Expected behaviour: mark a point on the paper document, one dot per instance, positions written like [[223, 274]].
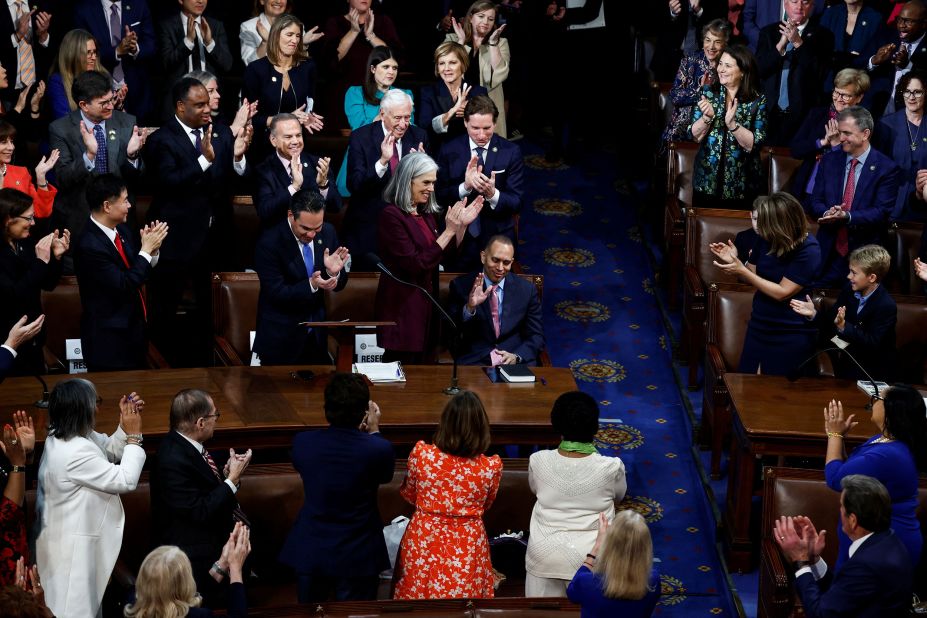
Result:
[[381, 372]]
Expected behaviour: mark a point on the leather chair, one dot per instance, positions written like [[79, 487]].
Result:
[[247, 230], [704, 226], [907, 244], [679, 165], [234, 316], [782, 168], [789, 491], [729, 308]]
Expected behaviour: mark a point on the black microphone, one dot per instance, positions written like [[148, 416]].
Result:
[[453, 389], [43, 402], [794, 374]]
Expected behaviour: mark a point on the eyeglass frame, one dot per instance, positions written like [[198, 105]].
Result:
[[843, 96], [30, 218], [215, 416], [914, 94]]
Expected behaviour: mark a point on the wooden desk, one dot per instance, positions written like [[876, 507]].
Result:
[[263, 407], [775, 417]]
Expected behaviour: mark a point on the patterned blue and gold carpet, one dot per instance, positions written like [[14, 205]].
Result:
[[602, 319]]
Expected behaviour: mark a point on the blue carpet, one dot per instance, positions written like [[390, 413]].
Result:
[[602, 319]]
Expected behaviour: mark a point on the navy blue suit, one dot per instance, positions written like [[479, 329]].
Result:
[[760, 13], [89, 15], [501, 156], [873, 201], [262, 82], [894, 140], [855, 53], [521, 330], [883, 75], [363, 214], [6, 363], [272, 195], [113, 322], [804, 146], [286, 298], [874, 583], [434, 100]]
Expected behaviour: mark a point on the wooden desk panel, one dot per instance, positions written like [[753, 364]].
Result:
[[262, 407]]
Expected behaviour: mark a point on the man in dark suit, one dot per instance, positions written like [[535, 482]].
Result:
[[19, 333], [481, 163], [288, 170], [297, 261], [92, 140], [793, 57], [193, 500], [863, 316], [854, 193], [499, 312], [336, 545], [125, 37], [190, 41], [901, 53], [680, 32], [24, 48], [374, 151], [758, 14], [193, 166], [111, 275], [875, 581]]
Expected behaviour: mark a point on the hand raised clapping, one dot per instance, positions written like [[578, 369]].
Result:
[[478, 295], [804, 308], [920, 269], [727, 253], [336, 260], [834, 421]]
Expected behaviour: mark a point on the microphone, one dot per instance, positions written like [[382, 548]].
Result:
[[794, 374], [453, 388], [43, 402]]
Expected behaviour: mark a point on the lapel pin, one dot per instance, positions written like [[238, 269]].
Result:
[[307, 165], [494, 149], [318, 241], [112, 135], [273, 79], [864, 23], [17, 182], [215, 136], [872, 168]]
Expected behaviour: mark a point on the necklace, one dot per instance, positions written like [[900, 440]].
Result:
[[914, 137]]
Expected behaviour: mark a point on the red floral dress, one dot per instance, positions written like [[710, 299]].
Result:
[[444, 552], [12, 539]]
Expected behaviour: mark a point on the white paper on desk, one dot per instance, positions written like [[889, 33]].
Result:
[[381, 372], [598, 22], [840, 343]]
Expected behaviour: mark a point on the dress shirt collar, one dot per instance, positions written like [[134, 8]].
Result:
[[913, 45], [197, 445], [108, 4], [110, 232], [90, 124], [189, 130], [861, 158], [855, 544], [500, 285], [474, 146], [183, 22], [398, 141]]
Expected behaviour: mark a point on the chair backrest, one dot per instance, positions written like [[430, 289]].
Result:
[[908, 244], [234, 309], [729, 309], [782, 168], [680, 162], [708, 225], [62, 310], [356, 301]]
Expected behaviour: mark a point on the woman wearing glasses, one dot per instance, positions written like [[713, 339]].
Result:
[[894, 456], [903, 137]]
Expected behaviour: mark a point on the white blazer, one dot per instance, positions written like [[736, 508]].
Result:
[[79, 517], [249, 38]]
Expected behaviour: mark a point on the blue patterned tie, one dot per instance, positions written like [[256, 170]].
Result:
[[101, 162], [474, 228]]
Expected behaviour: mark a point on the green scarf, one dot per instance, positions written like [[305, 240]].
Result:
[[587, 448]]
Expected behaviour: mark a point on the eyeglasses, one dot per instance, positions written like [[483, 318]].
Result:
[[873, 399], [907, 21], [30, 218], [912, 94], [92, 52], [215, 416], [110, 102], [843, 96]]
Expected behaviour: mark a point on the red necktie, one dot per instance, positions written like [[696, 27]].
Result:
[[843, 245], [237, 513], [125, 260], [494, 309], [394, 160]]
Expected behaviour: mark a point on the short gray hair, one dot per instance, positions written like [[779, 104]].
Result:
[[399, 189], [860, 115], [283, 117], [394, 97], [203, 77]]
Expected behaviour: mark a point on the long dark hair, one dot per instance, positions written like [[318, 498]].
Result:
[[906, 421], [72, 408], [746, 62], [378, 54]]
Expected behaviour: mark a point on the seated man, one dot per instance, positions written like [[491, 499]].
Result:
[[287, 170], [854, 194], [297, 261], [875, 581], [505, 330], [864, 316], [481, 163]]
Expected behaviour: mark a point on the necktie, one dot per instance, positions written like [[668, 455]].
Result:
[[308, 258], [196, 61], [115, 26], [120, 248], [843, 246], [199, 140], [25, 61], [479, 155], [394, 160], [784, 80], [101, 162], [237, 513], [494, 309]]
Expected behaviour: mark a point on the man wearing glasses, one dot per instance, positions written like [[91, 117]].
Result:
[[896, 57], [193, 499], [93, 139]]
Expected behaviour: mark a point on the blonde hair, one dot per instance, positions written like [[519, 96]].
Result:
[[872, 259], [625, 559], [780, 221], [450, 47], [853, 77], [165, 587], [72, 60]]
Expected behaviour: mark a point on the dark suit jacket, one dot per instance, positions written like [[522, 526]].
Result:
[[184, 195], [874, 583], [339, 532], [894, 140], [71, 208], [758, 14], [883, 76], [263, 83], [286, 298], [6, 363], [360, 219], [871, 334], [503, 157], [804, 146], [42, 56], [520, 330], [856, 52], [90, 16], [672, 33], [272, 195], [872, 202], [113, 322], [192, 508], [434, 100]]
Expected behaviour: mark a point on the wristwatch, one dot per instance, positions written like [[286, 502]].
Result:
[[736, 126]]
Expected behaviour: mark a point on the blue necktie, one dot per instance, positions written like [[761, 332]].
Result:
[[784, 80], [199, 140], [308, 259], [101, 162]]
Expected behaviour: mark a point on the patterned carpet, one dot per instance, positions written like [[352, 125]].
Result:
[[601, 318]]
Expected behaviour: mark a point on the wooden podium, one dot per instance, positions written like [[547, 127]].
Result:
[[343, 332]]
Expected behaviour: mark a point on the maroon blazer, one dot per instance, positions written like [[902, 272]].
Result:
[[411, 256]]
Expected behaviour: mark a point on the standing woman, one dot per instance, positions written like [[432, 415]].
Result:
[[283, 81], [444, 552], [488, 52], [27, 267], [16, 177], [730, 124], [894, 456], [695, 72], [784, 260], [412, 248], [76, 54], [79, 515], [443, 103], [255, 32], [903, 136], [855, 27]]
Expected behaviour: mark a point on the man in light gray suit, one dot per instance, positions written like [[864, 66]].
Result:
[[93, 140]]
